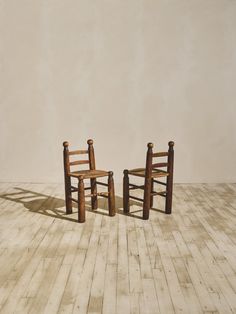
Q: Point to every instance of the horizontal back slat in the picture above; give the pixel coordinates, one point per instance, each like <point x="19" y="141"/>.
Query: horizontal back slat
<point x="79" y="162"/>
<point x="160" y="164"/>
<point x="78" y="152"/>
<point x="160" y="154"/>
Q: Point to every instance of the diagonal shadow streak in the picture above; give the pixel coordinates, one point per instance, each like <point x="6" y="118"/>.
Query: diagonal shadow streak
<point x="38" y="203"/>
<point x="55" y="207"/>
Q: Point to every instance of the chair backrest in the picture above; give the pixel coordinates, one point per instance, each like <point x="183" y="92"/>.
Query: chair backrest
<point x="90" y="160"/>
<point x="150" y="165"/>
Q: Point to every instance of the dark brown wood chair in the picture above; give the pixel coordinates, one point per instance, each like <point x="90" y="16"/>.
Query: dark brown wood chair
<point x="92" y="174"/>
<point x="151" y="174"/>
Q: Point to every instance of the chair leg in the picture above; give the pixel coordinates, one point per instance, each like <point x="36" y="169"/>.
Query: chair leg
<point x="111" y="195"/>
<point x="81" y="201"/>
<point x="169" y="190"/>
<point x="169" y="181"/>
<point x="147" y="198"/>
<point x="94" y="199"/>
<point x="152" y="189"/>
<point x="68" y="195"/>
<point x="126" y="192"/>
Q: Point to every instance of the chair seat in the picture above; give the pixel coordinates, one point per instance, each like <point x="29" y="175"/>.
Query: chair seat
<point x="140" y="172"/>
<point x="89" y="174"/>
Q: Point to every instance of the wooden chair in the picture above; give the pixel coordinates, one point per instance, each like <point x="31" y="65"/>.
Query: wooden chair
<point x="91" y="174"/>
<point x="151" y="173"/>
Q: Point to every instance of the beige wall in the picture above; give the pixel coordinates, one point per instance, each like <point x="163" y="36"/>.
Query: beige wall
<point x="124" y="73"/>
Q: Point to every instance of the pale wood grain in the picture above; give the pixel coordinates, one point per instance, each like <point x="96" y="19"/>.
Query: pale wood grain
<point x="180" y="263"/>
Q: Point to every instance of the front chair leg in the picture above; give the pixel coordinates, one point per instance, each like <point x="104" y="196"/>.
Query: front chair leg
<point x="111" y="195"/>
<point x="94" y="198"/>
<point x="147" y="198"/>
<point x="126" y="191"/>
<point x="81" y="200"/>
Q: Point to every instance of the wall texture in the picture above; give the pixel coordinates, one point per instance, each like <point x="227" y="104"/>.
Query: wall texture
<point x="123" y="73"/>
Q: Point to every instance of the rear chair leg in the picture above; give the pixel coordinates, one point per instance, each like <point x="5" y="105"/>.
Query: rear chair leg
<point x="152" y="190"/>
<point x="111" y="195"/>
<point x="68" y="195"/>
<point x="169" y="188"/>
<point x="147" y="199"/>
<point x="169" y="182"/>
<point x="126" y="192"/>
<point x="94" y="199"/>
<point x="81" y="201"/>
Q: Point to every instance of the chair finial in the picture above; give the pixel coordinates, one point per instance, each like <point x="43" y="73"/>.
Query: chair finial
<point x="90" y="142"/>
<point x="150" y="145"/>
<point x="171" y="143"/>
<point x="65" y="144"/>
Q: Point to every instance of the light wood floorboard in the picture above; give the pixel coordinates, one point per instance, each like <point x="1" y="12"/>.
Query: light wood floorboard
<point x="179" y="263"/>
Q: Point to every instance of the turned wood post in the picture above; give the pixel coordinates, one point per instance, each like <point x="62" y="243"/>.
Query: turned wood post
<point x="148" y="182"/>
<point x="169" y="182"/>
<point x="92" y="166"/>
<point x="111" y="195"/>
<point x="126" y="191"/>
<point x="81" y="200"/>
<point x="67" y="178"/>
<point x="152" y="190"/>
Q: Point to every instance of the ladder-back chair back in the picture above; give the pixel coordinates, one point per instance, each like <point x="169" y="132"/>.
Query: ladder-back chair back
<point x="92" y="174"/>
<point x="151" y="173"/>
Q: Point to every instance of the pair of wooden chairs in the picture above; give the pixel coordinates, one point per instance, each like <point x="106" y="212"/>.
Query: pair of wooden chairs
<point x="151" y="174"/>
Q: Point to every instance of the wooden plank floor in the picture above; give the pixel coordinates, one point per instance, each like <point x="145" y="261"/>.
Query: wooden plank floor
<point x="179" y="263"/>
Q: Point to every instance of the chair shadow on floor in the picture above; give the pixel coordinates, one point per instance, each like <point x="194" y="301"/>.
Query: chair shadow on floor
<point x="55" y="207"/>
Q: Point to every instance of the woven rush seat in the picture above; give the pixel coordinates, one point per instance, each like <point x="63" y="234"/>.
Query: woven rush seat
<point x="140" y="172"/>
<point x="89" y="174"/>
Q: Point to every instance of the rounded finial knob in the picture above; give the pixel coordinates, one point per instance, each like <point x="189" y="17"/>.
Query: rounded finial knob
<point x="65" y="144"/>
<point x="150" y="145"/>
<point x="90" y="142"/>
<point x="110" y="173"/>
<point x="171" y="143"/>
